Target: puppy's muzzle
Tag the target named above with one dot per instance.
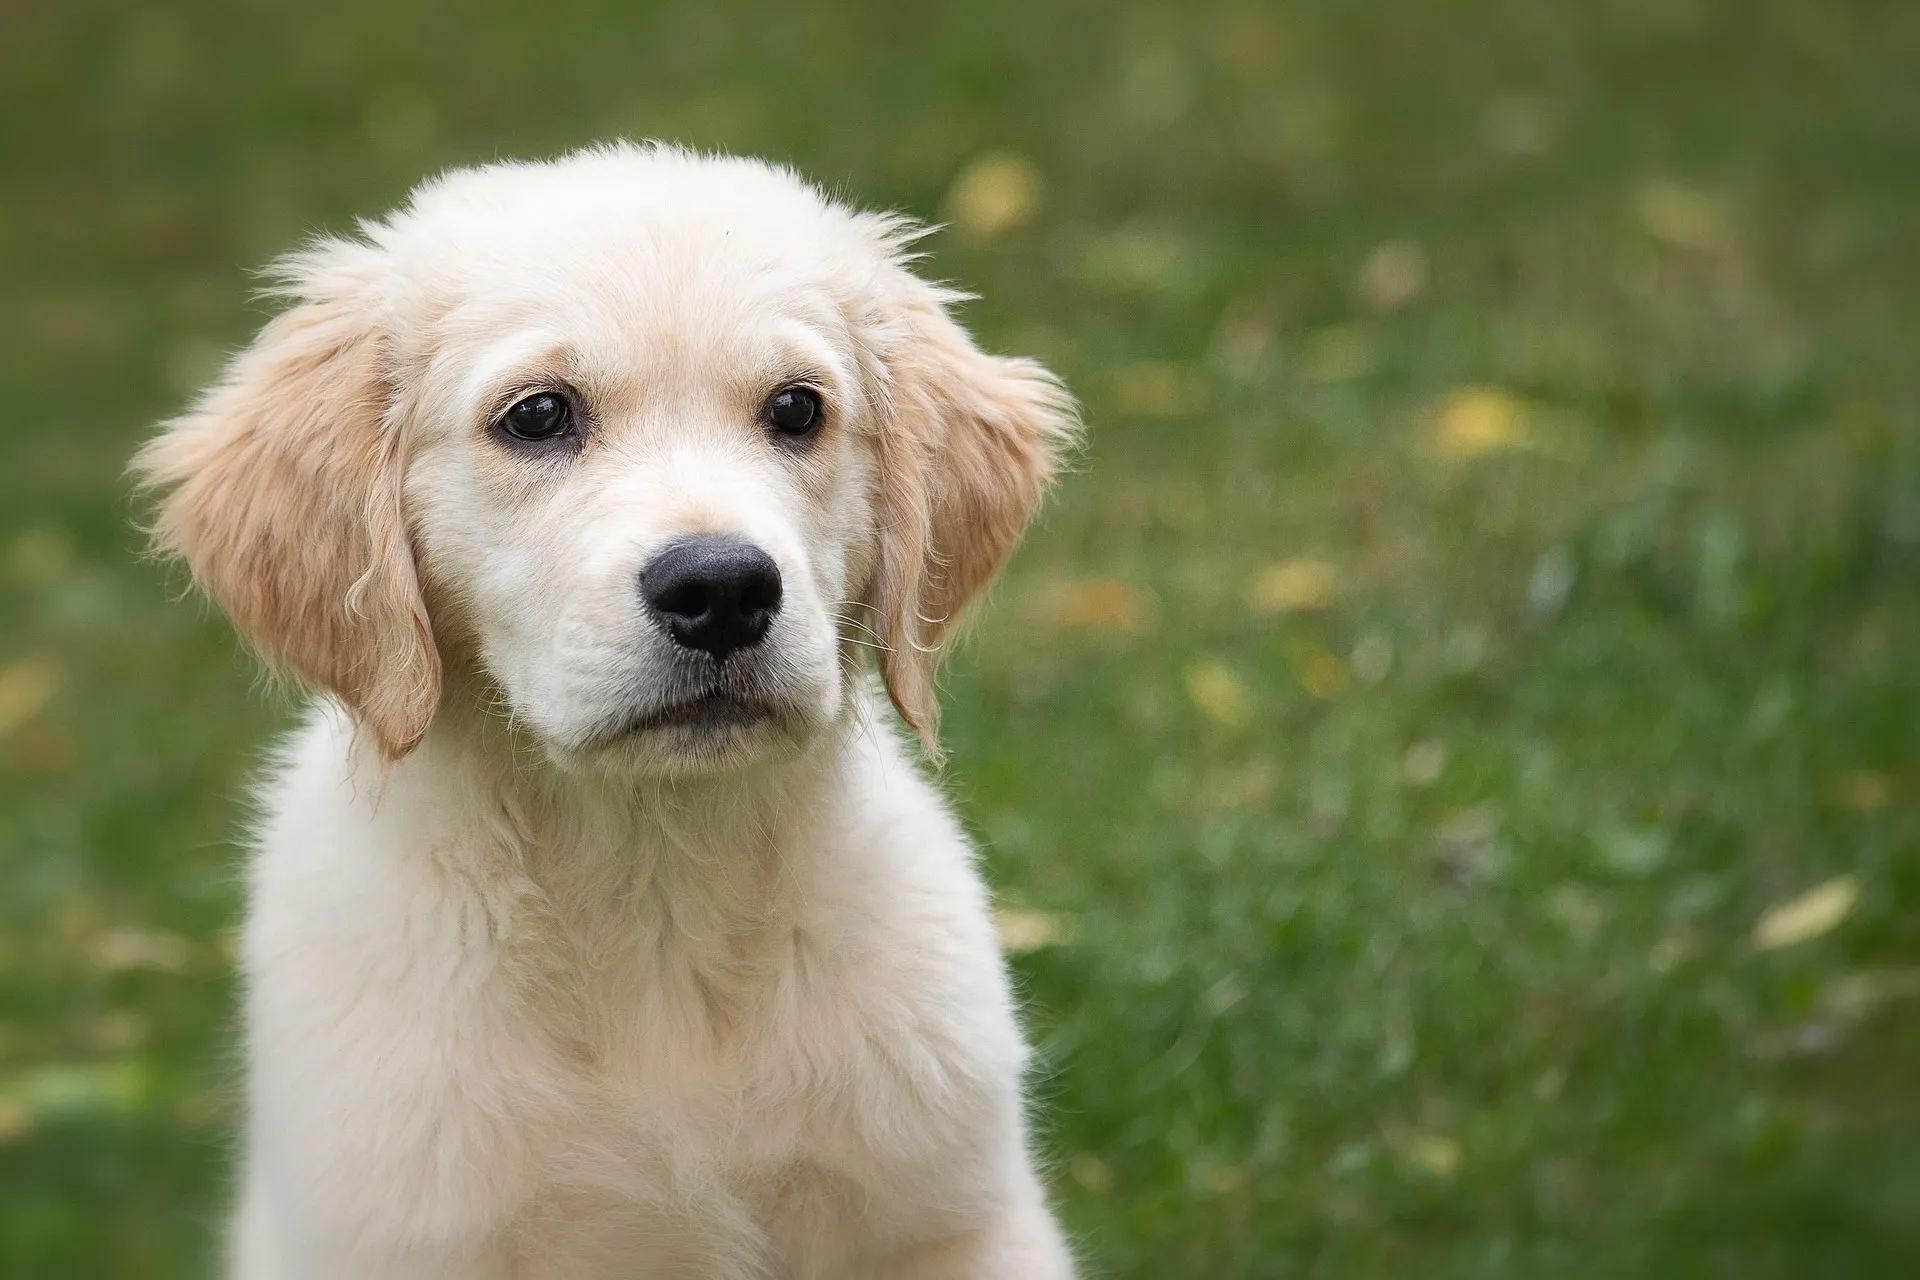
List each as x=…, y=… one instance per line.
x=712, y=592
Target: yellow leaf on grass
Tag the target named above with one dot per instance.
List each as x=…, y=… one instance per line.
x=1217, y=692
x=1022, y=930
x=1392, y=276
x=1864, y=791
x=1473, y=421
x=996, y=193
x=1685, y=217
x=1423, y=762
x=1474, y=824
x=1299, y=585
x=1819, y=910
x=1091, y=1172
x=1111, y=603
x=26, y=688
x=120, y=950
x=1858, y=994
x=1434, y=1153
x=15, y=1120
x=1321, y=673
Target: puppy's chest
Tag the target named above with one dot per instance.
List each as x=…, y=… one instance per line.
x=742, y=1059
x=743, y=1093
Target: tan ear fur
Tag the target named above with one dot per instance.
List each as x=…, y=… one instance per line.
x=969, y=447
x=284, y=497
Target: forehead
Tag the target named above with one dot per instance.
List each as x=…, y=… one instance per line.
x=631, y=258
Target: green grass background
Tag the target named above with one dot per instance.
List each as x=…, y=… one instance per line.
x=1412, y=934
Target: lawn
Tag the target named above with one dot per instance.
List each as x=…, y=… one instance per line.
x=1449, y=755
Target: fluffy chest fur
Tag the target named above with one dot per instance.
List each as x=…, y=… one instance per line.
x=713, y=1036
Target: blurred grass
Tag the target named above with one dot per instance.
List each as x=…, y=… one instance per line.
x=1490, y=590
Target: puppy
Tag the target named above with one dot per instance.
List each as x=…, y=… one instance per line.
x=600, y=924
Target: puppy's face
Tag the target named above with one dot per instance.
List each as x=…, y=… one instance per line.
x=653, y=447
x=642, y=471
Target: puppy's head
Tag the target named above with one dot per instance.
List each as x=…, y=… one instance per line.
x=643, y=448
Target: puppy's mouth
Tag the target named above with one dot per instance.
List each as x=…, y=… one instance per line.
x=700, y=722
x=714, y=709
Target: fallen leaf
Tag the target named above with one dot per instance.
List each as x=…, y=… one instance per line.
x=1091, y=1172
x=1801, y=919
x=114, y=1031
x=1243, y=339
x=1474, y=824
x=1858, y=994
x=1321, y=673
x=45, y=749
x=1222, y=1179
x=1392, y=276
x=1423, y=762
x=1246, y=38
x=1217, y=692
x=1552, y=581
x=1434, y=1153
x=1672, y=951
x=1517, y=125
x=1473, y=421
x=1684, y=217
x=1111, y=603
x=1238, y=788
x=1299, y=585
x=1372, y=657
x=119, y=950
x=997, y=193
x=15, y=1120
x=26, y=688
x=1633, y=851
x=1864, y=791
x=1021, y=930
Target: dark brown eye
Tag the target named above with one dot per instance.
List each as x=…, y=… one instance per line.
x=793, y=411
x=544, y=416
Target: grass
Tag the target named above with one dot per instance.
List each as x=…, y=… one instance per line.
x=1489, y=592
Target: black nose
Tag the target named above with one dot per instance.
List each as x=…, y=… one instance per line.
x=712, y=592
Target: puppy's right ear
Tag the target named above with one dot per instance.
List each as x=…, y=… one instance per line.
x=283, y=495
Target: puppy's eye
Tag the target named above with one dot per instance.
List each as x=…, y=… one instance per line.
x=793, y=411
x=543, y=416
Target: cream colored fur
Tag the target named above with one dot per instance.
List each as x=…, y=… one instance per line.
x=532, y=995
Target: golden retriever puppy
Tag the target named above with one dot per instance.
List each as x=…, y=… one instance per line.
x=600, y=923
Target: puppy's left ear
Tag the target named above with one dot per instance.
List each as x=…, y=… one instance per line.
x=968, y=447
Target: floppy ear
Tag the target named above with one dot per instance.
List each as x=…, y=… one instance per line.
x=966, y=453
x=284, y=497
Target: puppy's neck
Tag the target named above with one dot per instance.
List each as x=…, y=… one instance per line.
x=502, y=809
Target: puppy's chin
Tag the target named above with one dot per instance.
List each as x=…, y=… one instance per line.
x=698, y=737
